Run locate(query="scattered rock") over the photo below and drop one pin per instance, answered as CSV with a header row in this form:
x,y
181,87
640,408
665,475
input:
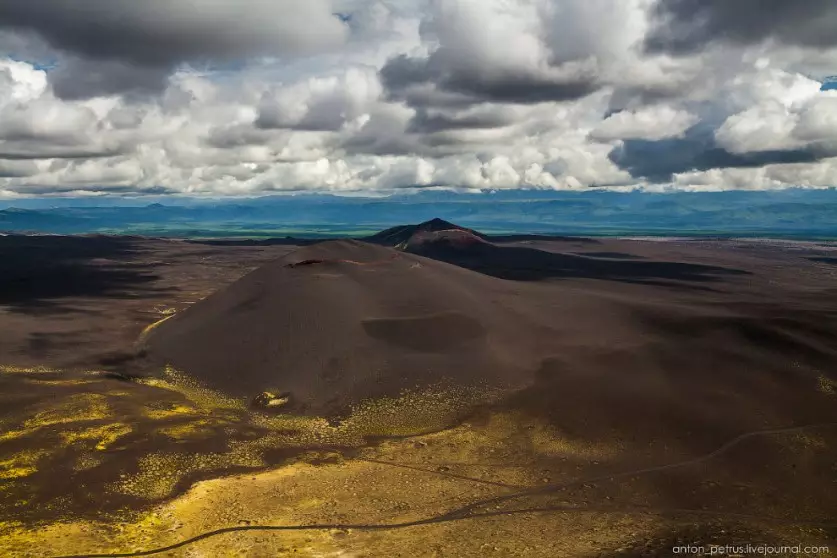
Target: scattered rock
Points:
x,y
270,400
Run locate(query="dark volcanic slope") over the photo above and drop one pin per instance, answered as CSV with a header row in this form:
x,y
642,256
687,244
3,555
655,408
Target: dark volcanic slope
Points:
x,y
707,349
341,321
397,236
524,263
657,385
503,258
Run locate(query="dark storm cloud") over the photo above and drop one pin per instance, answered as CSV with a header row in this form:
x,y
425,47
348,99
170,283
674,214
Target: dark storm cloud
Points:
x,y
404,71
685,26
151,37
80,79
383,147
272,118
164,32
658,161
46,190
23,152
628,98
407,78
268,121
431,146
17,169
426,122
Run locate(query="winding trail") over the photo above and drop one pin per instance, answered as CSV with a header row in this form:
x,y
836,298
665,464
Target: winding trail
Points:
x,y
469,511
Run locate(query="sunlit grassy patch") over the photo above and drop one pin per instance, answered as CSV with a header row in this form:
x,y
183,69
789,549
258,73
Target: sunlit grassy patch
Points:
x,y
198,394
120,393
60,382
160,473
27,370
548,441
294,429
193,429
179,427
807,440
16,539
169,411
827,385
87,461
413,413
14,434
20,465
102,436
76,408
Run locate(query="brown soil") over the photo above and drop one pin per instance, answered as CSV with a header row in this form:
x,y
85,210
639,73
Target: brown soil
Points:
x,y
524,396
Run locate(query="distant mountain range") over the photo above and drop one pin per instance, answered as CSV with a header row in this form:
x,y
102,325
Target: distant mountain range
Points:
x,y
794,213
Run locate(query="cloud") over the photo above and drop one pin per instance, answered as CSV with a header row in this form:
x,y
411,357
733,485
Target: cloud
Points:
x,y
20,82
383,133
152,37
322,104
217,97
18,169
798,116
807,175
687,26
763,117
165,32
479,117
80,78
429,82
649,123
491,51
37,125
773,127
660,161
36,189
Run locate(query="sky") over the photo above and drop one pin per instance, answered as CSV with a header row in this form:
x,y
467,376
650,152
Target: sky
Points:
x,y
255,97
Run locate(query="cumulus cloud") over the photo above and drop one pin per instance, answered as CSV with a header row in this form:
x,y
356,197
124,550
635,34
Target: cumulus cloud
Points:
x,y
477,117
321,104
774,127
688,25
141,41
162,32
81,78
235,98
782,112
661,161
493,51
649,123
762,117
18,169
37,125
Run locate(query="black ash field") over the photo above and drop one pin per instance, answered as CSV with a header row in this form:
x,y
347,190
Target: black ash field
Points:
x,y
428,391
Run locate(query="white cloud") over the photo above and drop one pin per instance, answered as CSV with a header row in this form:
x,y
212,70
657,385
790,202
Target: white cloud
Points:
x,y
650,123
786,112
162,31
320,103
464,93
20,82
